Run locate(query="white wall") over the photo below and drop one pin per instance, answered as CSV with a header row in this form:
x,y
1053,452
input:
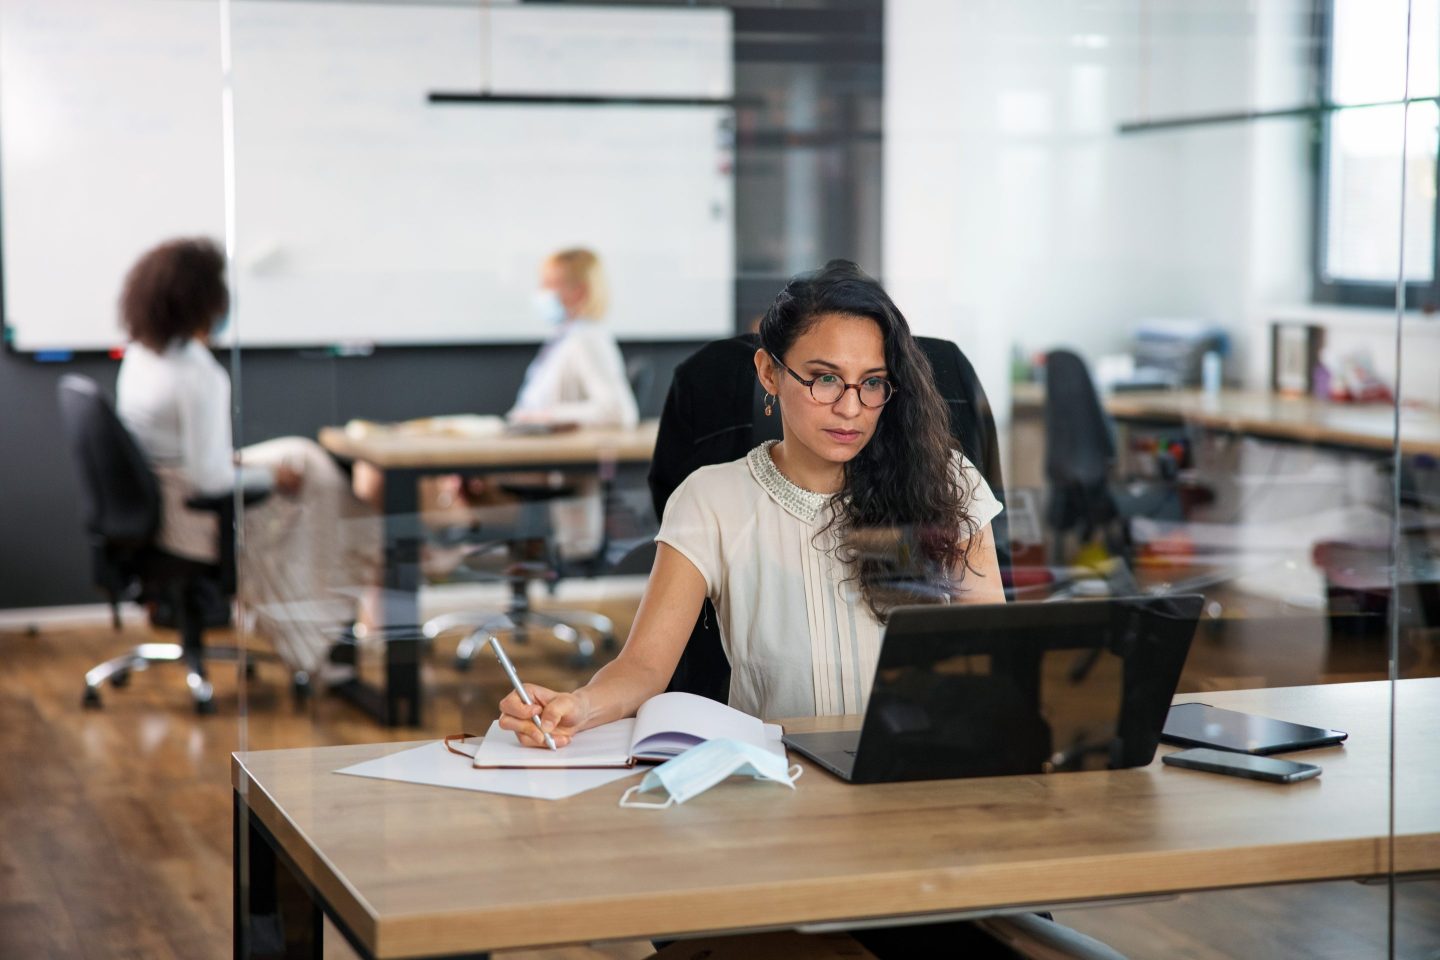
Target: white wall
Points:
x,y
1014,213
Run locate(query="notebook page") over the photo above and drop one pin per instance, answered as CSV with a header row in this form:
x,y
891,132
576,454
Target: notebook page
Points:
x,y
607,745
671,722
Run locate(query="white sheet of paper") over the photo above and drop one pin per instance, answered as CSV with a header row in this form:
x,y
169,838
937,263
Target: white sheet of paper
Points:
x,y
433,765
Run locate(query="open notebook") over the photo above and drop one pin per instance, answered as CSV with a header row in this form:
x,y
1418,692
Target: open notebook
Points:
x,y
664,727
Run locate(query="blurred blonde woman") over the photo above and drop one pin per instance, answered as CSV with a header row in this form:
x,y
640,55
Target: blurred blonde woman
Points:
x,y
579,375
577,379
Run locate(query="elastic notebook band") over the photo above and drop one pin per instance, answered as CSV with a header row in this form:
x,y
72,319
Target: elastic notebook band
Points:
x,y
462,737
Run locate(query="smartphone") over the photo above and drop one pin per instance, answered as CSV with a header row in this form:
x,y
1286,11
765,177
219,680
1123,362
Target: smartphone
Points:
x,y
1201,725
1242,765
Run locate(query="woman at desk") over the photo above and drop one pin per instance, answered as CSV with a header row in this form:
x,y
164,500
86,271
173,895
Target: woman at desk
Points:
x,y
805,543
312,536
797,543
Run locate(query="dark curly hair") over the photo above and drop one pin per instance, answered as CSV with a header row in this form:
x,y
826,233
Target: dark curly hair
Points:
x,y
174,292
902,515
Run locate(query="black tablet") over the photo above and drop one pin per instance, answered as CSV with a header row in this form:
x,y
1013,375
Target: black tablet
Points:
x,y
1201,725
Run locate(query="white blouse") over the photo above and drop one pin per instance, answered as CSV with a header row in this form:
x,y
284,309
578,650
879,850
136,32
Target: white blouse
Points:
x,y
578,377
800,638
177,406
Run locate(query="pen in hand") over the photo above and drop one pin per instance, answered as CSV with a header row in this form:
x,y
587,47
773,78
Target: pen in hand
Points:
x,y
509,669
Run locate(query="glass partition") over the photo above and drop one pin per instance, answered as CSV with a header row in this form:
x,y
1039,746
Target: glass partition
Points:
x,y
1413,579
1161,235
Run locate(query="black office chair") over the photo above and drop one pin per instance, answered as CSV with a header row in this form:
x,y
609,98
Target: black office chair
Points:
x,y
121,503
524,555
713,414
1080,460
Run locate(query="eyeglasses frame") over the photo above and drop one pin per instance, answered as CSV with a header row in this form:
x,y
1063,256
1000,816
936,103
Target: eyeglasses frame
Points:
x,y
810,385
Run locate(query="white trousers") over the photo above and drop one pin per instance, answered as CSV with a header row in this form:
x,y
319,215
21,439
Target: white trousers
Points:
x,y
303,560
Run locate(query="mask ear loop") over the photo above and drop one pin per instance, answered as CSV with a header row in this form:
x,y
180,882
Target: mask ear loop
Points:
x,y
625,800
793,773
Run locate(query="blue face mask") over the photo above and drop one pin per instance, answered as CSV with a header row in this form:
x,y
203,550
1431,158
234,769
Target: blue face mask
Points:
x,y
706,764
549,308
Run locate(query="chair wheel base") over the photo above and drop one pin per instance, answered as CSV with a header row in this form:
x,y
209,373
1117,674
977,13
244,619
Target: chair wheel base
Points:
x,y
300,690
91,700
205,708
121,678
462,664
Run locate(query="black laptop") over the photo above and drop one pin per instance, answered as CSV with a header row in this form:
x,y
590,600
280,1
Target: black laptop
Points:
x,y
992,690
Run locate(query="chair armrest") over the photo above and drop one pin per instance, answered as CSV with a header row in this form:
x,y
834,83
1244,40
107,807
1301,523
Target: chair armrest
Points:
x,y
220,502
1036,938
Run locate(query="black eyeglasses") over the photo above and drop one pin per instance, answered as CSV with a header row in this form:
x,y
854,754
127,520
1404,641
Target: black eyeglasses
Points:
x,y
828,388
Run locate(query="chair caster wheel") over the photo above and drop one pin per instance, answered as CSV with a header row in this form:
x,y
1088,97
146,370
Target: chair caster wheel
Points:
x,y
249,669
121,678
91,700
462,664
609,645
580,661
205,708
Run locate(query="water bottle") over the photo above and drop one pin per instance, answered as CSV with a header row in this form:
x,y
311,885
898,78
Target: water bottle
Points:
x,y
1210,365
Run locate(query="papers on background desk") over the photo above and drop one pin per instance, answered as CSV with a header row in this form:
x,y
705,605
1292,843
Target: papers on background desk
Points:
x,y
462,426
435,766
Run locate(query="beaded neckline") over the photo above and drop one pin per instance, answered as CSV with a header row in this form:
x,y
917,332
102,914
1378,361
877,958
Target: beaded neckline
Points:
x,y
803,504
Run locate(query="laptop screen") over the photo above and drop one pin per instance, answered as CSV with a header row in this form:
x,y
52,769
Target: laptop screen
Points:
x,y
1024,688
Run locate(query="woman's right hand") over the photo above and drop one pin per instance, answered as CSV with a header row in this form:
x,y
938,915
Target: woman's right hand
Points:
x,y
561,714
288,480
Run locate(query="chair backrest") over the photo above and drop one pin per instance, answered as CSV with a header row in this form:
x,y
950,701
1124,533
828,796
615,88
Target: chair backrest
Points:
x,y
712,415
640,372
1079,449
118,491
1079,444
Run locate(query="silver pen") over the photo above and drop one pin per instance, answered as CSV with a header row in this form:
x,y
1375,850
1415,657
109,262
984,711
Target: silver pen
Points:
x,y
509,669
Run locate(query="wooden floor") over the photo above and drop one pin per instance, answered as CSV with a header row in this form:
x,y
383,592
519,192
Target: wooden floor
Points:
x,y
115,824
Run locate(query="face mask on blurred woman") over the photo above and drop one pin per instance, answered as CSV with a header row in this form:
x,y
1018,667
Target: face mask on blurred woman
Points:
x,y
549,308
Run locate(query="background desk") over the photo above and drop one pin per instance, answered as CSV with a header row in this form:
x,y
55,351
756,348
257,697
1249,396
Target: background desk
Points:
x,y
407,871
1307,420
404,459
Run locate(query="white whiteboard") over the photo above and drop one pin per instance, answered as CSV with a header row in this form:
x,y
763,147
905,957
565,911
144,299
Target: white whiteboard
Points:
x,y
364,213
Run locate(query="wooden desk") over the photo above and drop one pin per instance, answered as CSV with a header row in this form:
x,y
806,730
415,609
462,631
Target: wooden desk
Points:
x,y
408,871
445,454
1296,419
404,459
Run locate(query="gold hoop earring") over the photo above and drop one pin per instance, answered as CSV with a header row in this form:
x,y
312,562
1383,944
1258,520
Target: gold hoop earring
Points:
x,y
769,404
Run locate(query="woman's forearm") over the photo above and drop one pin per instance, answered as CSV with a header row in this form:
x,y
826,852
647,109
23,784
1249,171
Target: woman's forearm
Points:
x,y
657,639
618,690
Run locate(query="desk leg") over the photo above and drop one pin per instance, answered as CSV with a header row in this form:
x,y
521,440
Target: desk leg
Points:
x,y
275,915
278,915
402,597
398,704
